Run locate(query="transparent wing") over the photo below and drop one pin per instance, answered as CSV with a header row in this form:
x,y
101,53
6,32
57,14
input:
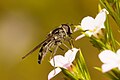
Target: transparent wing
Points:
x,y
35,48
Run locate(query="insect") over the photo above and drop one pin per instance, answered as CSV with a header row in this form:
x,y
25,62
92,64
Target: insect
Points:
x,y
54,39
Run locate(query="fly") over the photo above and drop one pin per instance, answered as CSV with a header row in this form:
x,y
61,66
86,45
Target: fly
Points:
x,y
54,38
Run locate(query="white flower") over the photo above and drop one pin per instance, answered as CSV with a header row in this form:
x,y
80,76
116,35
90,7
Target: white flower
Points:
x,y
92,26
62,61
110,59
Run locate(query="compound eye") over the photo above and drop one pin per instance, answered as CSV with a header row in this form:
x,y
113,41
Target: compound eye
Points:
x,y
67,29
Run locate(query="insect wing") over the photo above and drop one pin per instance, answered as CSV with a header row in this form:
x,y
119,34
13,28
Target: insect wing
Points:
x,y
35,48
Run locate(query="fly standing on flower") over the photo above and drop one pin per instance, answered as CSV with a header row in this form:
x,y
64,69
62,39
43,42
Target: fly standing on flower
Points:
x,y
54,39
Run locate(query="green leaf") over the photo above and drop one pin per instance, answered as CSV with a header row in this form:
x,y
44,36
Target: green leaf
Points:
x,y
109,74
97,68
98,44
109,38
116,72
69,74
81,65
110,9
117,43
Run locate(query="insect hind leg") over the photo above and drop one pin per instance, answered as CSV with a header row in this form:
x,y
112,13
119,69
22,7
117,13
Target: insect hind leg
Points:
x,y
61,48
54,52
52,56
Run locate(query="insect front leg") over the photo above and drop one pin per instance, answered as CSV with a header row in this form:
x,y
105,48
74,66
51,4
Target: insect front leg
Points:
x,y
65,46
71,42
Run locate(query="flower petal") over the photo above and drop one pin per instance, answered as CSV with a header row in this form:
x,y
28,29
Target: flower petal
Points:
x,y
77,27
118,52
53,73
108,67
100,18
81,36
58,61
89,33
104,10
70,54
87,23
107,56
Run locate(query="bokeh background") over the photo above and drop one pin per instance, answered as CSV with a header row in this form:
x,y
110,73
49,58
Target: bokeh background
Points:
x,y
25,23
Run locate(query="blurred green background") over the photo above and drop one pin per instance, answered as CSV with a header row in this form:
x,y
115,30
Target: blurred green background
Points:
x,y
25,23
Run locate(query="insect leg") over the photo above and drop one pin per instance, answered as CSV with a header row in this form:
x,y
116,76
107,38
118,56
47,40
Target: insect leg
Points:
x,y
55,50
52,56
71,43
50,50
65,45
61,48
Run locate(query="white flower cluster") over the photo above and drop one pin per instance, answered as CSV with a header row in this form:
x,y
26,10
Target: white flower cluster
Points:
x,y
62,61
92,26
110,59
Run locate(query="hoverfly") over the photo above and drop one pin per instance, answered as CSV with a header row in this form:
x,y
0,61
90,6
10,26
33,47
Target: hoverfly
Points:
x,y
54,38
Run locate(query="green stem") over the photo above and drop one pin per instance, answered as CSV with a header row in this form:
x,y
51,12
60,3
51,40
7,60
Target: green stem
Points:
x,y
115,15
